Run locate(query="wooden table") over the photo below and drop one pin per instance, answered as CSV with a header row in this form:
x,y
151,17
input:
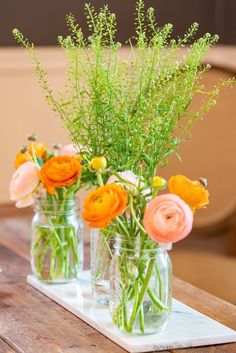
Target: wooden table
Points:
x,y
32,323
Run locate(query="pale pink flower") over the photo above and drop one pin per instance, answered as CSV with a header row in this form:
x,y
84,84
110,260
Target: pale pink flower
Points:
x,y
128,176
129,180
68,150
168,219
23,184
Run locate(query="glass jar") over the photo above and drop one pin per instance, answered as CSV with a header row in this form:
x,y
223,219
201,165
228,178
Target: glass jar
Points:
x,y
140,285
57,241
101,252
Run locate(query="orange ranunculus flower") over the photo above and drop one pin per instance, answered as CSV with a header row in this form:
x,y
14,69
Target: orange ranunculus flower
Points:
x,y
104,204
21,158
37,148
59,172
191,191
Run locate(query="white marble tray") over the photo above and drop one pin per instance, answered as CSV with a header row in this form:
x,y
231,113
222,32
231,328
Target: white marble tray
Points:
x,y
186,328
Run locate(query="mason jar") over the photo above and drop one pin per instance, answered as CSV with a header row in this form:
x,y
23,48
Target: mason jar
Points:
x,y
57,241
101,252
140,285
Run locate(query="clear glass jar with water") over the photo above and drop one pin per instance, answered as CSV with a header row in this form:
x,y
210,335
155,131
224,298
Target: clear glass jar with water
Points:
x,y
57,241
140,285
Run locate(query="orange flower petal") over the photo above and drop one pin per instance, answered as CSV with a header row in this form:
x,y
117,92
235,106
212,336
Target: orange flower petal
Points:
x,y
192,192
104,204
21,158
59,172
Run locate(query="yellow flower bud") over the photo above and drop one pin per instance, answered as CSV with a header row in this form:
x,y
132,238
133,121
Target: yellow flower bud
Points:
x,y
98,163
159,182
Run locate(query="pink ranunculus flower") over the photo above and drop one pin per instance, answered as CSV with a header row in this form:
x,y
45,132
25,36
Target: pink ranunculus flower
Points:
x,y
131,178
131,181
68,150
168,219
23,184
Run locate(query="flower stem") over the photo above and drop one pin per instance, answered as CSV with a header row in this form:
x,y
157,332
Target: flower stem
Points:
x,y
140,295
99,176
134,216
141,319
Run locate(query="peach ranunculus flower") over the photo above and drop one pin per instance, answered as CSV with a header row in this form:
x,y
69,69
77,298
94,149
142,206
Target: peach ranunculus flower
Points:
x,y
104,204
59,172
23,184
168,219
68,150
192,192
22,158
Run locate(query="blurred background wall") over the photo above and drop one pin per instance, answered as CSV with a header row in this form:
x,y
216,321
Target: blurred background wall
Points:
x,y
43,21
207,258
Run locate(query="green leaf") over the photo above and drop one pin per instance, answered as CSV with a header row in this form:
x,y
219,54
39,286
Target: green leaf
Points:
x,y
40,161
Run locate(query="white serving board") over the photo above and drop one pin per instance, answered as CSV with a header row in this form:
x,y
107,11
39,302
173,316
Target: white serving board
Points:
x,y
186,327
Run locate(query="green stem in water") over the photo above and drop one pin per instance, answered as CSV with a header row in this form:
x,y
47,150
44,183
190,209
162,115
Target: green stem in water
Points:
x,y
141,294
141,319
135,307
158,303
107,245
160,281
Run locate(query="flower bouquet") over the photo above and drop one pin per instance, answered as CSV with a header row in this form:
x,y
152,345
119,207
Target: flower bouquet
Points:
x,y
132,114
50,181
144,226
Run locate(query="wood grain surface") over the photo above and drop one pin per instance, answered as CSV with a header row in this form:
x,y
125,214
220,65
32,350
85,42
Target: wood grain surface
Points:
x,y
32,323
5,348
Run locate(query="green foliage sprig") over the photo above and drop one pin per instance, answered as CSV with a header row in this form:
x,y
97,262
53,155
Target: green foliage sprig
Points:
x,y
134,112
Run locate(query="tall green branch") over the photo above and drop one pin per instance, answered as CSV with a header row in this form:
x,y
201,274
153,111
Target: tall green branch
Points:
x,y
137,111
